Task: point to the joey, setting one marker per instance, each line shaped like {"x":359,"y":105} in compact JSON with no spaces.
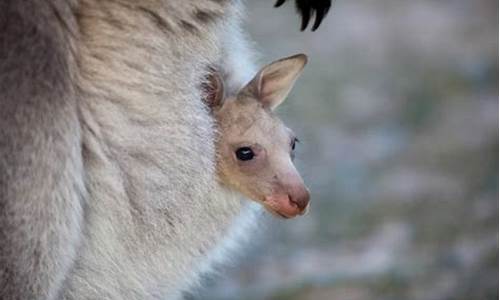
{"x":255,"y":150}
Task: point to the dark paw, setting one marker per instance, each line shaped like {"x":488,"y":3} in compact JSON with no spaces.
{"x":308,"y":8}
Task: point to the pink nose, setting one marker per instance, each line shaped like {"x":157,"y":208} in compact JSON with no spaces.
{"x":300,"y":199}
{"x":289,"y":205}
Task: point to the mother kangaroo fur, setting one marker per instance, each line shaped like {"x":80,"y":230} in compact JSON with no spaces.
{"x":107,"y":178}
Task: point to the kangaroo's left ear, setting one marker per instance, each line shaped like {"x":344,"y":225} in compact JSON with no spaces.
{"x":274,"y":81}
{"x":214,"y":91}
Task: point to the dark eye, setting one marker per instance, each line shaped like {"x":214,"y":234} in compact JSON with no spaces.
{"x":244,"y":153}
{"x":294,"y":141}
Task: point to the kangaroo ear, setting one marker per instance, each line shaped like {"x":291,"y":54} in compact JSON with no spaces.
{"x":214,"y":91}
{"x":274,"y":81}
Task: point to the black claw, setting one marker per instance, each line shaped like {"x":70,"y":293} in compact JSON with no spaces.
{"x":306,"y":8}
{"x":305,"y":20}
{"x":319,"y":17}
{"x":279,"y":3}
{"x":321,"y":11}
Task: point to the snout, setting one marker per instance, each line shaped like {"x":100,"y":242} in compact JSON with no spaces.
{"x":289,"y":204}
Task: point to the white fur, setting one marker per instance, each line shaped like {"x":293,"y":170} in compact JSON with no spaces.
{"x":156,"y":216}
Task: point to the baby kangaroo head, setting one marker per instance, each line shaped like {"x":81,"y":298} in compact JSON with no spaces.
{"x":255,"y":149}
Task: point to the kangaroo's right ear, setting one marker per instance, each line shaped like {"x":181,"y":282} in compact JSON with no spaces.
{"x":274,"y":81}
{"x":214,"y":91}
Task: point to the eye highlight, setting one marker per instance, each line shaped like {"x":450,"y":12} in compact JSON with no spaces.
{"x":244,"y":153}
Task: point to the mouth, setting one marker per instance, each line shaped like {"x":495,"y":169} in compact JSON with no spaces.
{"x":275,"y":212}
{"x":282,"y":206}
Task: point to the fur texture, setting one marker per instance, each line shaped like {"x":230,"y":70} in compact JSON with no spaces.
{"x":156,"y":208}
{"x":107,"y":179}
{"x":41,"y":169}
{"x":110,"y":190}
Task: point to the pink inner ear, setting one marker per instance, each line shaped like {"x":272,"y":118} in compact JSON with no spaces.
{"x":210,"y":97}
{"x":274,"y":87}
{"x":274,"y":81}
{"x":214,"y":90}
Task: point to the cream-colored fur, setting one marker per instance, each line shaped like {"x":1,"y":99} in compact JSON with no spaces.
{"x":107,"y":163}
{"x":155,"y":209}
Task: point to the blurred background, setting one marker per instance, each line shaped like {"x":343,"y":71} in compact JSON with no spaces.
{"x":397,"y":113}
